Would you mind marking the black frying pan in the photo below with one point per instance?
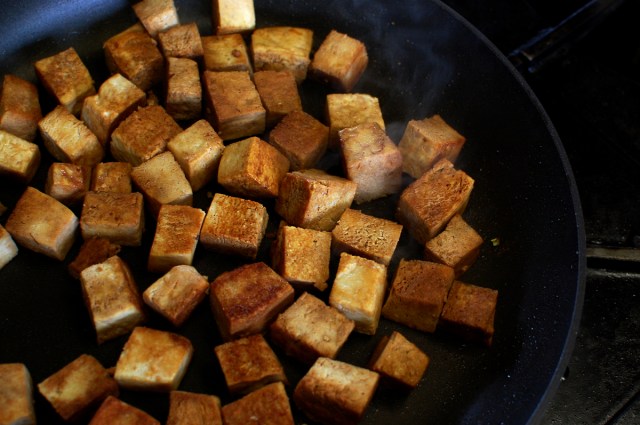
(425, 59)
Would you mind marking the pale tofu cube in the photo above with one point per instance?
(358, 291)
(345, 110)
(226, 53)
(233, 16)
(113, 411)
(118, 217)
(234, 226)
(279, 93)
(65, 77)
(184, 91)
(156, 15)
(301, 138)
(268, 405)
(182, 41)
(282, 49)
(112, 298)
(198, 150)
(187, 408)
(399, 361)
(8, 248)
(42, 224)
(92, 251)
(16, 395)
(19, 159)
(112, 177)
(339, 62)
(252, 168)
(76, 390)
(19, 107)
(68, 183)
(153, 360)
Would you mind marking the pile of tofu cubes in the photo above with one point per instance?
(229, 119)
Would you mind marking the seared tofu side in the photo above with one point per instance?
(16, 393)
(19, 159)
(112, 177)
(301, 138)
(233, 16)
(279, 93)
(346, 110)
(68, 183)
(182, 41)
(183, 89)
(19, 107)
(156, 15)
(187, 408)
(282, 48)
(268, 405)
(339, 62)
(399, 361)
(114, 411)
(118, 217)
(226, 53)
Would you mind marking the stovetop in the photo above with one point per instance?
(582, 60)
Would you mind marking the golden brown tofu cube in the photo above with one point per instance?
(426, 205)
(246, 299)
(469, 312)
(249, 363)
(457, 246)
(233, 16)
(182, 41)
(282, 49)
(16, 394)
(156, 15)
(113, 411)
(301, 138)
(177, 293)
(118, 217)
(8, 248)
(234, 226)
(314, 199)
(19, 159)
(358, 291)
(235, 104)
(399, 361)
(187, 408)
(226, 53)
(418, 293)
(116, 99)
(112, 177)
(335, 392)
(76, 390)
(153, 360)
(19, 107)
(92, 251)
(339, 62)
(65, 77)
(176, 237)
(68, 139)
(68, 183)
(427, 141)
(42, 224)
(346, 110)
(279, 93)
(269, 406)
(184, 91)
(310, 329)
(252, 168)
(367, 236)
(143, 135)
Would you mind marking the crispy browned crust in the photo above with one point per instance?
(184, 91)
(182, 41)
(112, 177)
(279, 94)
(19, 159)
(92, 251)
(118, 217)
(226, 53)
(20, 109)
(280, 48)
(16, 392)
(346, 110)
(268, 406)
(114, 411)
(187, 408)
(135, 55)
(68, 183)
(301, 138)
(399, 361)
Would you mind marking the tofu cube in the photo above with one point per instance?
(68, 183)
(366, 236)
(346, 110)
(112, 177)
(8, 248)
(291, 259)
(248, 364)
(233, 16)
(282, 49)
(16, 393)
(111, 296)
(358, 291)
(19, 107)
(117, 217)
(114, 411)
(426, 205)
(76, 390)
(143, 135)
(399, 361)
(177, 293)
(268, 405)
(153, 360)
(162, 182)
(310, 329)
(92, 251)
(235, 104)
(186, 408)
(176, 237)
(198, 150)
(184, 91)
(252, 168)
(156, 15)
(116, 99)
(66, 78)
(418, 293)
(301, 138)
(457, 246)
(372, 160)
(335, 392)
(68, 139)
(226, 53)
(19, 159)
(234, 226)
(314, 199)
(182, 41)
(42, 224)
(247, 299)
(427, 141)
(279, 93)
(339, 62)
(469, 312)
